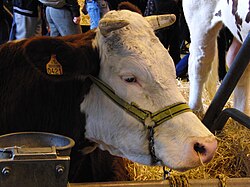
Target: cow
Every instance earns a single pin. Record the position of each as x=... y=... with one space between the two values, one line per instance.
x=205 y=18
x=113 y=88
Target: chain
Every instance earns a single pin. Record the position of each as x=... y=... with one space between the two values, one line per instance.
x=166 y=173
x=151 y=145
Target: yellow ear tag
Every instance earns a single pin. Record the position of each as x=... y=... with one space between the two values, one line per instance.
x=53 y=67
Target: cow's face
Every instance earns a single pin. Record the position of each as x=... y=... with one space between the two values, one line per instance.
x=139 y=69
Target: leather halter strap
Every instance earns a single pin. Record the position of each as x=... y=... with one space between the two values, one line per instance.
x=149 y=119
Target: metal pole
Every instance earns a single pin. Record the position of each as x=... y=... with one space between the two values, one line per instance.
x=229 y=82
x=231 y=182
x=235 y=114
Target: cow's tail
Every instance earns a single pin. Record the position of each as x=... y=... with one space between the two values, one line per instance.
x=213 y=77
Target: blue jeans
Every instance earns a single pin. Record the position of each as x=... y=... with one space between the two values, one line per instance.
x=94 y=13
x=61 y=22
x=25 y=27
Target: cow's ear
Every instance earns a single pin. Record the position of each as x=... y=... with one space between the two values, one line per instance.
x=58 y=59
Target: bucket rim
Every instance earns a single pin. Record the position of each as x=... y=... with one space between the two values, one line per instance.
x=59 y=148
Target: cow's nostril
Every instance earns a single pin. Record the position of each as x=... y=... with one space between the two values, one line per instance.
x=199 y=148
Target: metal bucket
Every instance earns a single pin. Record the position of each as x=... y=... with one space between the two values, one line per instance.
x=34 y=159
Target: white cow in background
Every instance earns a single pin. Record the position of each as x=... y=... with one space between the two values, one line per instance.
x=205 y=18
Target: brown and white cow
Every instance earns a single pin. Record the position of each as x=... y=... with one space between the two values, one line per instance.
x=124 y=53
x=205 y=18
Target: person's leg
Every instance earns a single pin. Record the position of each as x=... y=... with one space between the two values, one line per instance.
x=94 y=14
x=63 y=21
x=24 y=27
x=38 y=23
x=182 y=67
x=52 y=27
x=103 y=7
x=174 y=44
x=13 y=29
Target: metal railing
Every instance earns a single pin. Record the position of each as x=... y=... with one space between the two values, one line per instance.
x=215 y=118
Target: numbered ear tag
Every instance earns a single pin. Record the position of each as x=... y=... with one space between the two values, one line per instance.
x=53 y=67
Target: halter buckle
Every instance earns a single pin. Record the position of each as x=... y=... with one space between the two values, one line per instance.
x=148 y=122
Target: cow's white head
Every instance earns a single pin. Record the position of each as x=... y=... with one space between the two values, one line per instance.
x=139 y=69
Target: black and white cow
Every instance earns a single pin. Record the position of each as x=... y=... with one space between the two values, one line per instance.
x=46 y=86
x=205 y=19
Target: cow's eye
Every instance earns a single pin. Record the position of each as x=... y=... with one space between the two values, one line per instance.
x=130 y=78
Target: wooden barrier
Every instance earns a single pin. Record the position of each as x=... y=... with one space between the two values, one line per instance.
x=231 y=182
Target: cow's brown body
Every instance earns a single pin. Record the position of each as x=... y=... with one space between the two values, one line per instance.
x=31 y=102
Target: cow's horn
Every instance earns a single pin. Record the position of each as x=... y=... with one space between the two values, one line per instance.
x=108 y=25
x=161 y=21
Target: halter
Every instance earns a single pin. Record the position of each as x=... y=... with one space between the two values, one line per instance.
x=147 y=118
